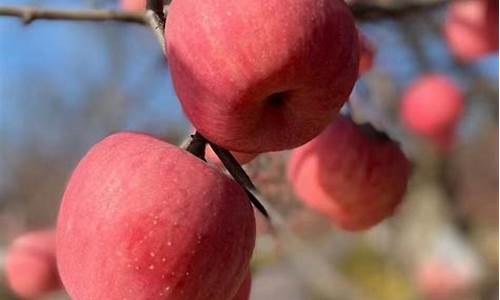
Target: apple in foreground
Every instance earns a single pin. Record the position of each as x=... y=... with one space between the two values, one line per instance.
x=431 y=107
x=30 y=265
x=143 y=219
x=261 y=75
x=353 y=174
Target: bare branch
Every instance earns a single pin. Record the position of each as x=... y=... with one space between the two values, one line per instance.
x=29 y=14
x=364 y=11
x=158 y=27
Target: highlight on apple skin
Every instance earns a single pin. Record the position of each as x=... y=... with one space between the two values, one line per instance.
x=471 y=28
x=30 y=265
x=266 y=75
x=431 y=107
x=143 y=219
x=353 y=174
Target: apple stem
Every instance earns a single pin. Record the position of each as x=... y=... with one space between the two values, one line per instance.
x=197 y=145
x=157 y=7
x=232 y=166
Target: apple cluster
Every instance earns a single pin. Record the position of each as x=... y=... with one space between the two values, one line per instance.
x=143 y=219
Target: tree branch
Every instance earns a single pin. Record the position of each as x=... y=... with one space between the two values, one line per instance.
x=364 y=11
x=29 y=14
x=158 y=27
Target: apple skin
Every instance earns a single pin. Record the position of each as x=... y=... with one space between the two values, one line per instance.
x=143 y=219
x=354 y=176
x=30 y=264
x=133 y=5
x=431 y=107
x=261 y=75
x=471 y=28
x=366 y=54
x=245 y=288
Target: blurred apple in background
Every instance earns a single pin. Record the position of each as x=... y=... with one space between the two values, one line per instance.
x=471 y=28
x=30 y=266
x=266 y=75
x=431 y=107
x=354 y=174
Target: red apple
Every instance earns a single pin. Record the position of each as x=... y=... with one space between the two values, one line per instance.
x=353 y=174
x=30 y=265
x=142 y=219
x=471 y=28
x=246 y=286
x=261 y=75
x=366 y=54
x=431 y=106
x=133 y=5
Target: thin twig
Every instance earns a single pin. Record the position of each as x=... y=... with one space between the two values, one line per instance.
x=364 y=11
x=158 y=27
x=29 y=14
x=235 y=169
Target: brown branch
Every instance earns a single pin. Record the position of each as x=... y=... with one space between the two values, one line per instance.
x=364 y=11
x=29 y=14
x=153 y=19
x=158 y=26
x=156 y=6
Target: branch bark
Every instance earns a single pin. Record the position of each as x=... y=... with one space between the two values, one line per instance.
x=29 y=14
x=364 y=11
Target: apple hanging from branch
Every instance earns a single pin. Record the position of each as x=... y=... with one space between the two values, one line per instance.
x=142 y=219
x=261 y=75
